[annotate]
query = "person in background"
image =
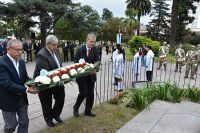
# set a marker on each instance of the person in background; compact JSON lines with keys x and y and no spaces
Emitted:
{"x":90,"y":54}
{"x":163,"y":51}
{"x":29,"y":50}
{"x":71,"y":49}
{"x":149,"y":63}
{"x":136,"y":67}
{"x":107,"y":49}
{"x":13,"y":92}
{"x":36,"y":48}
{"x":100,"y":51}
{"x":119,"y":72}
{"x":144,"y":53}
{"x":191,"y":59}
{"x":49,"y":59}
{"x":25,"y":47}
{"x":114,"y":59}
{"x":180,"y":58}
{"x":66,"y":49}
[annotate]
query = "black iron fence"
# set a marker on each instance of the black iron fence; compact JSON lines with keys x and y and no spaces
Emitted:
{"x":105,"y":89}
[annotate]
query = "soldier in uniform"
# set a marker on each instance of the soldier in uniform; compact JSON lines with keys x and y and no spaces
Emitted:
{"x":198,"y":56}
{"x":191,"y":62}
{"x":180,"y":58}
{"x":163,"y":51}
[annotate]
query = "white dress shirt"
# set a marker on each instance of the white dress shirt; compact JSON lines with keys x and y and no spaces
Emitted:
{"x":15,"y":63}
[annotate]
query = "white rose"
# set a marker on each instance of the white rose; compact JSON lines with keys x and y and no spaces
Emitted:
{"x":56,"y":79}
{"x":92,"y":66}
{"x":65,"y":76}
{"x":37,"y":79}
{"x":73,"y":72}
{"x":81,"y":70}
{"x":45,"y":80}
{"x":87,"y":67}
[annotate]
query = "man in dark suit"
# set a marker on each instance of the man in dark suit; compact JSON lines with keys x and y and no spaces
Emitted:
{"x":29,"y":51}
{"x":13,"y":97}
{"x":90,"y":54}
{"x":36,"y":47}
{"x":48,"y":58}
{"x":71,"y":47}
{"x":1,"y":49}
{"x":66,"y":49}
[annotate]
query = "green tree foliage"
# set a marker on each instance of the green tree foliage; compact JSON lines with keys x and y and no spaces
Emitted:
{"x":106,"y":14}
{"x":47,"y":11}
{"x":139,"y":41}
{"x":186,"y":8}
{"x":75,"y":25}
{"x":180,"y":18}
{"x":110,"y":28}
{"x":158,"y":28}
{"x":143,"y":7}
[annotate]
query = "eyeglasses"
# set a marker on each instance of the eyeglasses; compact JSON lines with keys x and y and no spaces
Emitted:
{"x":17,"y":50}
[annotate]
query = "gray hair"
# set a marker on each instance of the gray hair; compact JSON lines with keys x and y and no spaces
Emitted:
{"x":51,"y":39}
{"x":12,"y":42}
{"x":91,"y":36}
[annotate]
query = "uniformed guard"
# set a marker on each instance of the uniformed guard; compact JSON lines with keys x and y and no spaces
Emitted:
{"x":163,"y":51}
{"x":191,"y":62}
{"x":180,"y":58}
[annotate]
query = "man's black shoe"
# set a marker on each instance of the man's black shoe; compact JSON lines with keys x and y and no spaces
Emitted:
{"x":58,"y":119}
{"x":76,"y":113}
{"x":50,"y":124}
{"x":90,"y":114}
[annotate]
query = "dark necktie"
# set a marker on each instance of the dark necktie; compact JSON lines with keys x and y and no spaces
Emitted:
{"x":89,"y":51}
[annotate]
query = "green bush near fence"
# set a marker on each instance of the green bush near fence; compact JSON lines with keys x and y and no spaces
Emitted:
{"x":139,"y":41}
{"x":141,"y":98}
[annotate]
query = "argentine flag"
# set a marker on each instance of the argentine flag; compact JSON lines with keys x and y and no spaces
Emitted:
{"x":119,"y":38}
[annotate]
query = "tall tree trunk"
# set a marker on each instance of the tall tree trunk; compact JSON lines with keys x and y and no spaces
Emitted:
{"x":174,"y":19}
{"x":43,"y":34}
{"x":138,"y":29}
{"x":43,"y":30}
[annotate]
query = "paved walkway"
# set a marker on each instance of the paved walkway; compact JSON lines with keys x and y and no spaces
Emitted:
{"x":164,"y":117}
{"x":37,"y":122}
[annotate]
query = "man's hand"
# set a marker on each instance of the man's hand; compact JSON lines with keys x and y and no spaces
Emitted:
{"x":32,"y":90}
{"x":93,"y":72}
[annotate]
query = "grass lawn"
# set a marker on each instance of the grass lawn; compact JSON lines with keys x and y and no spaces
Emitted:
{"x":108,"y":120}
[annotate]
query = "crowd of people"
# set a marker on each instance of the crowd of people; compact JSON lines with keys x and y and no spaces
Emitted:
{"x":13,"y":75}
{"x":13,"y":91}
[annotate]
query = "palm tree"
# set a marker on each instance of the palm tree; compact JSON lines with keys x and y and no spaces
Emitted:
{"x":143,"y":7}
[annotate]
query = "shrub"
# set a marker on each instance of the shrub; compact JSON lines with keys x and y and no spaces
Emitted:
{"x":176,"y":93}
{"x":138,"y":98}
{"x":162,"y":91}
{"x":186,"y":47}
{"x":193,"y":94}
{"x":138,"y":41}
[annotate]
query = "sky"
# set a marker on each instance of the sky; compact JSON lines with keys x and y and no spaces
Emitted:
{"x":117,"y":7}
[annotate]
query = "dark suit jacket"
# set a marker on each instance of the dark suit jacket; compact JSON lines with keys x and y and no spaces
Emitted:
{"x":94,"y":57}
{"x":1,"y":50}
{"x":46,"y":61}
{"x":36,"y":47}
{"x":12,"y":87}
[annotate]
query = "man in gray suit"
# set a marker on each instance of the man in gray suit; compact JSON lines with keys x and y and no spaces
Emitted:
{"x":49,"y":59}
